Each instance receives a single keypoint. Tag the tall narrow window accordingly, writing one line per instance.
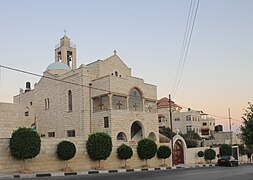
(45, 103)
(48, 103)
(106, 122)
(70, 100)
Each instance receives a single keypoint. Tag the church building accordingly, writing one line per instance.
(103, 96)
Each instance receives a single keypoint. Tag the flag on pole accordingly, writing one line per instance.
(33, 125)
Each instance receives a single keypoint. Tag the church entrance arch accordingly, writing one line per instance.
(178, 153)
(136, 131)
(179, 150)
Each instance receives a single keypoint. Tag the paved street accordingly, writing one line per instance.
(242, 172)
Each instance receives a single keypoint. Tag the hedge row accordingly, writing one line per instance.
(25, 144)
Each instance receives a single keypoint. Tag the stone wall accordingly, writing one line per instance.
(47, 159)
(192, 155)
(13, 116)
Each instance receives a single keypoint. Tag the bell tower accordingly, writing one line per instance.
(65, 52)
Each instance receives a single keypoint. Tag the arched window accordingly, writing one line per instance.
(26, 111)
(70, 100)
(135, 100)
(152, 136)
(122, 137)
(116, 73)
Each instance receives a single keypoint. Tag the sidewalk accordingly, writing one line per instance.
(60, 173)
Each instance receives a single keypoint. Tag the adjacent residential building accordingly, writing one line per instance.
(184, 121)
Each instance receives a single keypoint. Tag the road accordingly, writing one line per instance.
(242, 172)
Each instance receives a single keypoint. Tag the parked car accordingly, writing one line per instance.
(227, 161)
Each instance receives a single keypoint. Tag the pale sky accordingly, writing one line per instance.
(148, 36)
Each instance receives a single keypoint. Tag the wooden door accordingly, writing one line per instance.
(178, 153)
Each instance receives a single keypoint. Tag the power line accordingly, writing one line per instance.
(81, 85)
(186, 43)
(59, 80)
(218, 116)
(183, 46)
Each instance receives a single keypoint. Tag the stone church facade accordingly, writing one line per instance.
(71, 101)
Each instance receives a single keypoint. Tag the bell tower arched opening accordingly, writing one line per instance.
(65, 52)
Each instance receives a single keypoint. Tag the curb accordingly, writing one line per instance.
(60, 174)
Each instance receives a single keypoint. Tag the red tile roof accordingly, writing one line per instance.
(161, 115)
(164, 102)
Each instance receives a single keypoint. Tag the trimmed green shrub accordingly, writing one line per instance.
(146, 149)
(201, 154)
(25, 143)
(210, 154)
(163, 152)
(225, 150)
(66, 150)
(124, 152)
(191, 143)
(99, 146)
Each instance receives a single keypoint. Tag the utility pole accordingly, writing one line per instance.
(171, 129)
(230, 128)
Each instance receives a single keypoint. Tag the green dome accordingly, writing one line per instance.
(58, 66)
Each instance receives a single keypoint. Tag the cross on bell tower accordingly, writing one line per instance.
(65, 52)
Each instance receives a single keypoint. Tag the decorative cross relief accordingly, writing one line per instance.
(149, 108)
(135, 106)
(119, 104)
(101, 106)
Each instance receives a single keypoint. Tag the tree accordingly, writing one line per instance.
(200, 155)
(124, 152)
(66, 150)
(99, 147)
(166, 131)
(191, 139)
(191, 143)
(247, 127)
(163, 152)
(191, 135)
(249, 152)
(25, 144)
(225, 150)
(210, 154)
(146, 149)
